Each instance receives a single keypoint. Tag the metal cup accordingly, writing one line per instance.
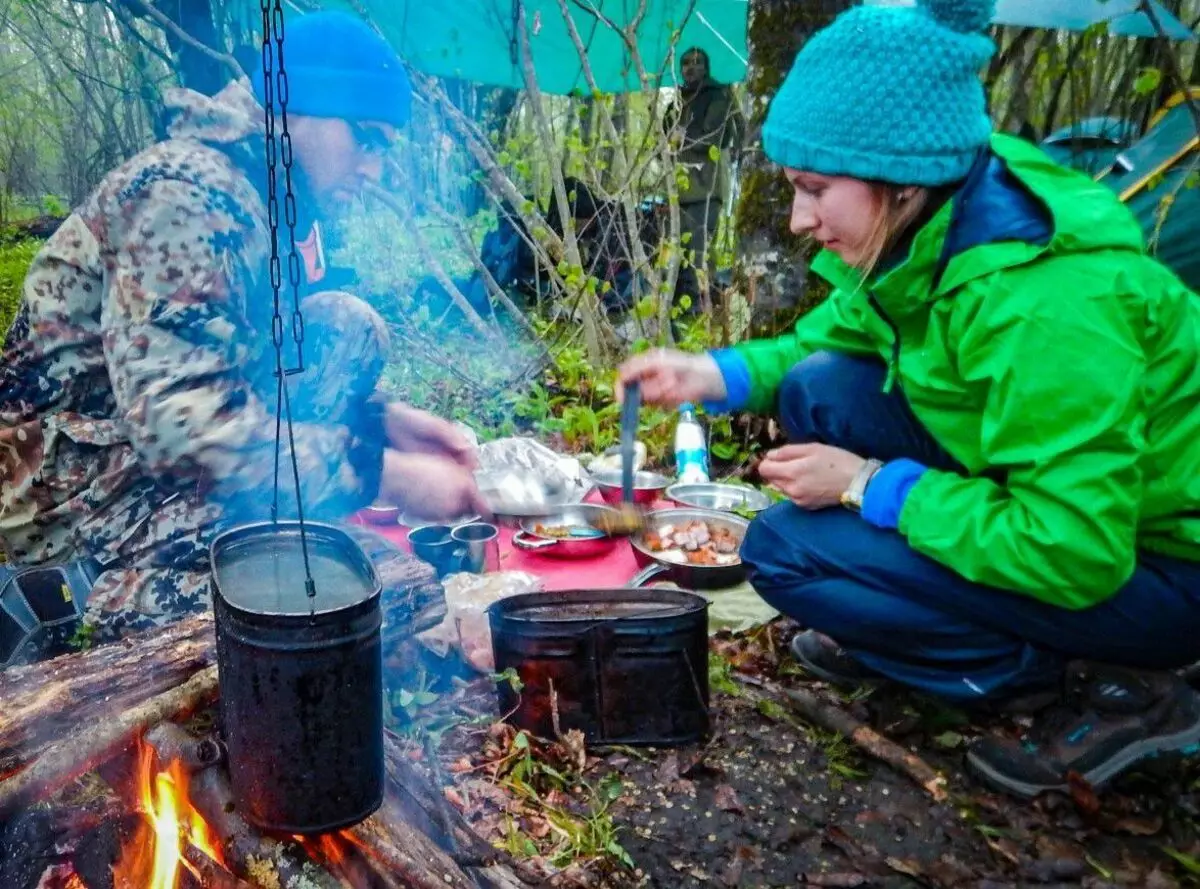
(478, 550)
(435, 545)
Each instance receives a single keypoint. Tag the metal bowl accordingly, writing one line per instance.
(412, 522)
(688, 576)
(379, 515)
(647, 486)
(581, 515)
(718, 496)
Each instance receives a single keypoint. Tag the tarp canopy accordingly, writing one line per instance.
(1123, 16)
(1155, 168)
(477, 40)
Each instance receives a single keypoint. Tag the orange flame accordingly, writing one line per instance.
(157, 853)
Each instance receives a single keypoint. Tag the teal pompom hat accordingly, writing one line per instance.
(890, 91)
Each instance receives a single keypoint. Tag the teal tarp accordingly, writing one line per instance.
(476, 39)
(1160, 163)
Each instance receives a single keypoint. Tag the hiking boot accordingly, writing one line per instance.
(825, 659)
(1108, 720)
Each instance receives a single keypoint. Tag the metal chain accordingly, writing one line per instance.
(272, 21)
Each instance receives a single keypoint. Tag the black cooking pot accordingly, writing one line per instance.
(622, 666)
(301, 702)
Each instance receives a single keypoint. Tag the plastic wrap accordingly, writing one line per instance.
(466, 624)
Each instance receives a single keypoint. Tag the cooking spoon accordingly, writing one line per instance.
(629, 517)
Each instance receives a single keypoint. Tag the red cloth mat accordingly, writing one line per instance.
(612, 570)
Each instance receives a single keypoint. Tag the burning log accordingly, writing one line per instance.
(211, 873)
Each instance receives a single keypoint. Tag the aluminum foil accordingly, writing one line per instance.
(521, 476)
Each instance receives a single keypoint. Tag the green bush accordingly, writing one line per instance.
(14, 263)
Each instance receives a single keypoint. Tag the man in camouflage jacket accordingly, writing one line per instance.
(137, 390)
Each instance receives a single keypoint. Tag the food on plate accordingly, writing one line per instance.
(694, 543)
(564, 531)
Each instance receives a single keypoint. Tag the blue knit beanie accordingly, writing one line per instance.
(337, 66)
(887, 92)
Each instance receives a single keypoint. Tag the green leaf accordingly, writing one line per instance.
(1147, 81)
(1187, 862)
(948, 740)
(726, 450)
(685, 302)
(714, 153)
(773, 710)
(521, 741)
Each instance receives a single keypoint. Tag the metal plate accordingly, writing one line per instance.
(657, 519)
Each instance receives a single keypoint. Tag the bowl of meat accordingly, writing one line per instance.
(696, 549)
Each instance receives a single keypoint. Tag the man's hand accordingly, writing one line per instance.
(412, 431)
(429, 486)
(813, 476)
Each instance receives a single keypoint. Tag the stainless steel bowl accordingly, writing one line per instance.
(581, 516)
(647, 486)
(412, 522)
(719, 496)
(377, 514)
(689, 576)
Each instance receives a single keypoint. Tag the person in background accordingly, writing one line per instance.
(709, 118)
(138, 388)
(993, 479)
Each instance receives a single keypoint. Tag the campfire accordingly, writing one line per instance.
(111, 777)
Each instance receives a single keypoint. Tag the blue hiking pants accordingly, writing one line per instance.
(908, 617)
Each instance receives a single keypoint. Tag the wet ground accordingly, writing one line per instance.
(771, 801)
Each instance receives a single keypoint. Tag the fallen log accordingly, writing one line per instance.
(42, 703)
(71, 756)
(835, 719)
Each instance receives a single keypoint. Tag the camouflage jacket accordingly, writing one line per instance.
(138, 369)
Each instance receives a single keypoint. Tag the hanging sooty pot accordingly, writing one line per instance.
(301, 701)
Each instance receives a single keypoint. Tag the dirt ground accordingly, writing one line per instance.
(771, 801)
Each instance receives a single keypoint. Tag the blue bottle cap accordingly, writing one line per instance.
(687, 406)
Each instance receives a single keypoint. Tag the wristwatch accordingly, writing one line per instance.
(852, 497)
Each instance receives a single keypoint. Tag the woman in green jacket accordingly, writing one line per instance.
(995, 467)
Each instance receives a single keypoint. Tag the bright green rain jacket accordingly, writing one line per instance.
(1068, 371)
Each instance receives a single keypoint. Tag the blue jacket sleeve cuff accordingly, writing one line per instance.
(736, 374)
(887, 491)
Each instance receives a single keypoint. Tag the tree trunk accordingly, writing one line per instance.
(774, 264)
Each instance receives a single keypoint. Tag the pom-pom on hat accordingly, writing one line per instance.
(337, 66)
(890, 91)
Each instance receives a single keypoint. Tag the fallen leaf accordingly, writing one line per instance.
(668, 771)
(454, 798)
(460, 765)
(1156, 879)
(1083, 794)
(835, 881)
(1139, 825)
(726, 799)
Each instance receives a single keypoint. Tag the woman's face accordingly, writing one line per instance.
(840, 213)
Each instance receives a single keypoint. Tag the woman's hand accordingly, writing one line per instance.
(412, 431)
(669, 378)
(429, 486)
(813, 476)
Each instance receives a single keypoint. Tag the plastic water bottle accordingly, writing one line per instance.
(691, 448)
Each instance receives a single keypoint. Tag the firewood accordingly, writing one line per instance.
(43, 703)
(213, 875)
(831, 717)
(71, 756)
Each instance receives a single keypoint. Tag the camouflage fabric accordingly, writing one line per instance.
(137, 394)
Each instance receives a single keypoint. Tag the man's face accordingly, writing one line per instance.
(694, 67)
(339, 157)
